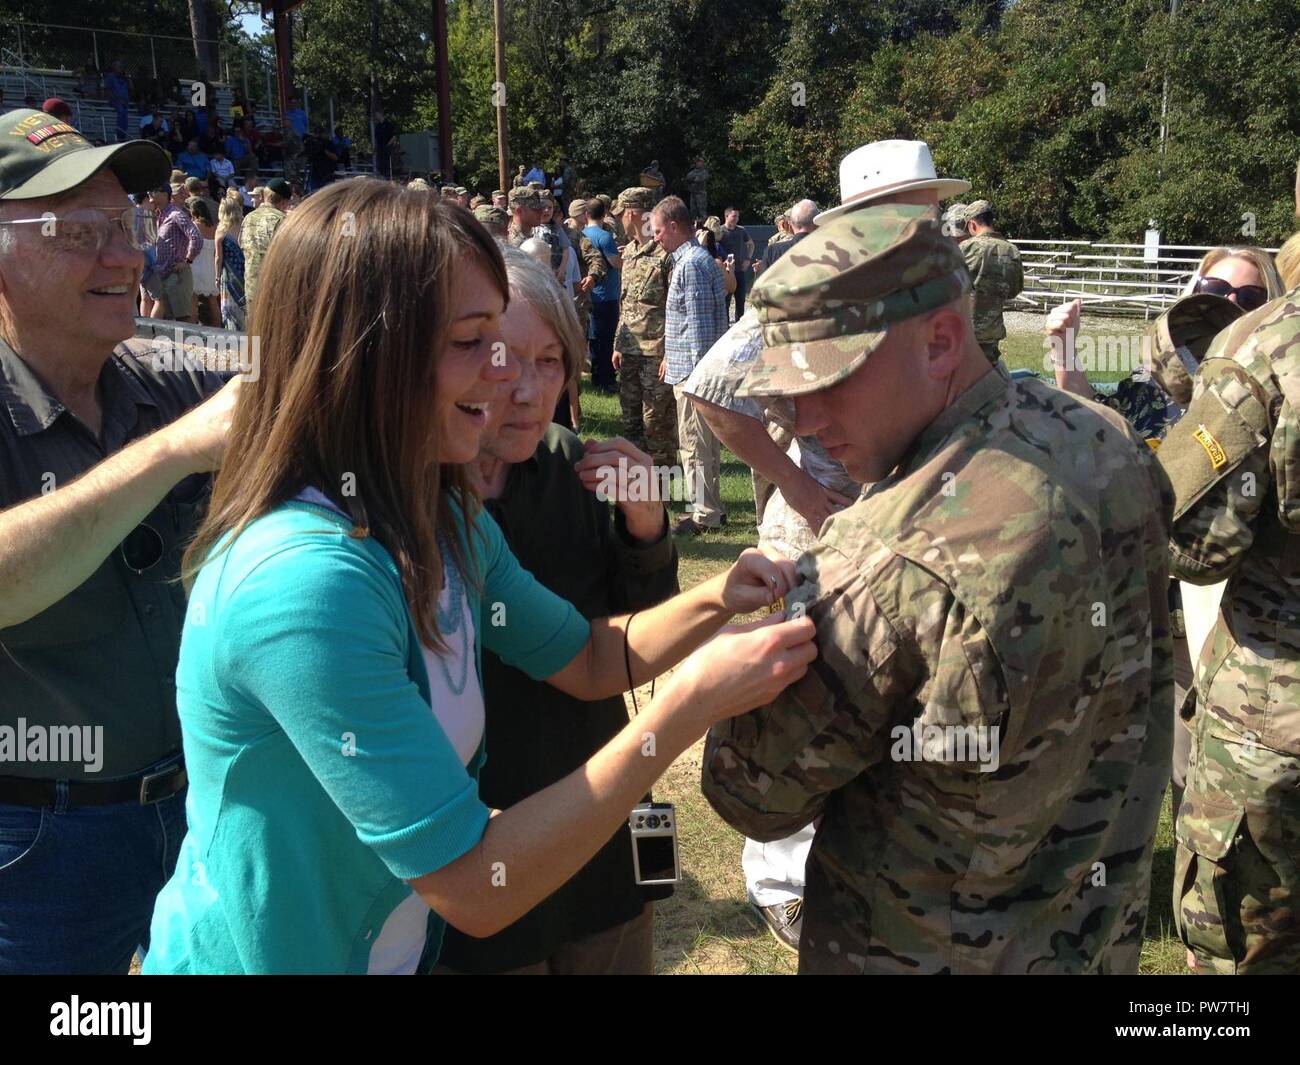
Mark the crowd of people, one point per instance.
(261, 635)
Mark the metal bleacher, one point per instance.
(94, 116)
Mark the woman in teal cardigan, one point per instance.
(345, 581)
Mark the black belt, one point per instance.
(149, 787)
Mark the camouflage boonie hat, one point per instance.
(973, 210)
(827, 304)
(577, 207)
(492, 216)
(1179, 338)
(525, 196)
(636, 197)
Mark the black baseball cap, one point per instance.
(41, 155)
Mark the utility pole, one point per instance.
(442, 72)
(499, 93)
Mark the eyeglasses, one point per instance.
(142, 549)
(1248, 296)
(89, 230)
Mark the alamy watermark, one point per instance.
(217, 352)
(1122, 352)
(636, 483)
(66, 744)
(956, 744)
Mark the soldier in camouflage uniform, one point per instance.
(649, 409)
(1235, 467)
(525, 213)
(697, 183)
(590, 262)
(612, 221)
(494, 219)
(258, 229)
(1002, 584)
(995, 272)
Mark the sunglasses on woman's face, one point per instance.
(1248, 296)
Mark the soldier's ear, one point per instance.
(943, 336)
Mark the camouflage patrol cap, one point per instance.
(1179, 338)
(577, 207)
(461, 190)
(636, 197)
(547, 195)
(605, 199)
(492, 216)
(525, 196)
(973, 210)
(828, 303)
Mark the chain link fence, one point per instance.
(154, 64)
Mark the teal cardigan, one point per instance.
(320, 779)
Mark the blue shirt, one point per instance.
(696, 312)
(612, 286)
(196, 164)
(235, 149)
(298, 120)
(320, 779)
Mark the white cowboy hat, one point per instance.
(885, 167)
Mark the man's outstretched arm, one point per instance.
(51, 544)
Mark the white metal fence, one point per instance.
(1121, 279)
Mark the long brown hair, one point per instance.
(351, 315)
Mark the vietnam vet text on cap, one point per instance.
(42, 156)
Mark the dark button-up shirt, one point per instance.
(105, 654)
(535, 734)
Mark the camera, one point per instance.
(654, 843)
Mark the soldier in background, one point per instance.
(611, 223)
(649, 409)
(996, 276)
(1235, 469)
(519, 178)
(697, 184)
(984, 735)
(494, 219)
(590, 262)
(258, 228)
(499, 200)
(525, 213)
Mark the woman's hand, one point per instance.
(756, 582)
(746, 666)
(619, 472)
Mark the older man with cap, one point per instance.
(797, 484)
(995, 271)
(649, 409)
(102, 473)
(983, 739)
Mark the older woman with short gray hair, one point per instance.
(548, 492)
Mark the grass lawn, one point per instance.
(708, 926)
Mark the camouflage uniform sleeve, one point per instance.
(593, 262)
(973, 252)
(1219, 466)
(895, 648)
(1016, 276)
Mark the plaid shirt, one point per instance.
(696, 314)
(178, 239)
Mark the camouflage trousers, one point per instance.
(649, 410)
(699, 205)
(1237, 870)
(582, 304)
